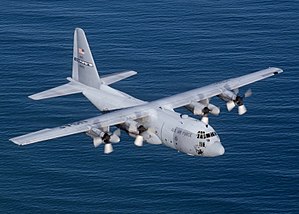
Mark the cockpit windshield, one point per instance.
(204, 135)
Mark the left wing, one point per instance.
(214, 89)
(102, 121)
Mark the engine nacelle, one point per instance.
(94, 132)
(227, 95)
(198, 108)
(131, 126)
(96, 135)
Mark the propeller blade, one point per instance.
(117, 132)
(138, 140)
(205, 119)
(214, 109)
(97, 141)
(230, 105)
(248, 93)
(114, 138)
(108, 148)
(242, 109)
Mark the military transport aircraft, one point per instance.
(155, 122)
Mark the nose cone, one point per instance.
(216, 149)
(221, 149)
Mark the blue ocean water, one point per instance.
(175, 46)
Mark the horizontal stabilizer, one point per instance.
(66, 89)
(112, 78)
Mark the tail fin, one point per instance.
(84, 71)
(84, 68)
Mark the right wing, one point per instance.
(214, 89)
(105, 120)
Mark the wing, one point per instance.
(105, 120)
(215, 89)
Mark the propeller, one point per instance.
(109, 139)
(209, 108)
(106, 138)
(108, 148)
(205, 112)
(139, 138)
(239, 101)
(97, 141)
(230, 105)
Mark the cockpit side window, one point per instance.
(203, 135)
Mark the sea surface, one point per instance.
(174, 45)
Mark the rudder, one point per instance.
(84, 69)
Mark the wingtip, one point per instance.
(133, 72)
(276, 70)
(280, 70)
(32, 97)
(15, 141)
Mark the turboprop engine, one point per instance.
(232, 98)
(140, 133)
(203, 108)
(104, 137)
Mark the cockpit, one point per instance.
(208, 144)
(204, 135)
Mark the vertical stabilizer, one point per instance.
(84, 68)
